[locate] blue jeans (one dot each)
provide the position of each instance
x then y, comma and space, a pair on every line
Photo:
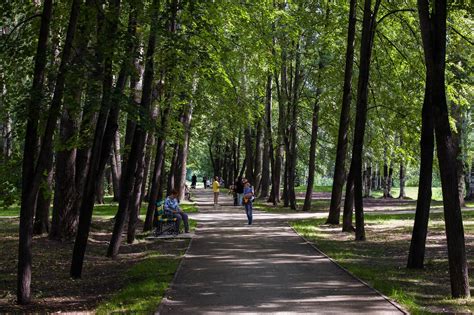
248, 211
239, 198
181, 216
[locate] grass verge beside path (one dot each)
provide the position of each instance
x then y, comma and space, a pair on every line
147, 282
381, 260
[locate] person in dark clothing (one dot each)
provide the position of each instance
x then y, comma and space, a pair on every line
204, 181
239, 190
193, 181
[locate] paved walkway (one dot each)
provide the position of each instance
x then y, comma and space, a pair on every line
231, 267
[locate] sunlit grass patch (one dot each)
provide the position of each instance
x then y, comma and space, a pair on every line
146, 284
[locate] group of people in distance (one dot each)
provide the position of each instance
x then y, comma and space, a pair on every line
242, 191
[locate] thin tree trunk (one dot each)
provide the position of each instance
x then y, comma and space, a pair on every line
268, 157
157, 179
348, 204
312, 155
342, 138
368, 29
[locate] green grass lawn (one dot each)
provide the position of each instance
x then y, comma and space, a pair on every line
147, 282
381, 260
108, 209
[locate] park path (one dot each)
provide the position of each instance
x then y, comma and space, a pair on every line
231, 267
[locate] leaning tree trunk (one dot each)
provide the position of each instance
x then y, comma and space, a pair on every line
106, 127
342, 138
139, 137
433, 33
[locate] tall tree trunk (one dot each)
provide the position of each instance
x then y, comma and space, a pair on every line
416, 254
135, 198
138, 144
433, 33
106, 128
368, 29
31, 173
186, 121
157, 178
312, 155
249, 155
172, 170
259, 145
342, 138
268, 157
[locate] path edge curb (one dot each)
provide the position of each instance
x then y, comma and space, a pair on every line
398, 306
167, 291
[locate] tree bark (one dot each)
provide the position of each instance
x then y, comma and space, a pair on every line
344, 122
139, 138
157, 178
348, 204
43, 202
416, 254
268, 157
106, 127
312, 155
368, 29
433, 31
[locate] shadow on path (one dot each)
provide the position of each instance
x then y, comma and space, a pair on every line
232, 267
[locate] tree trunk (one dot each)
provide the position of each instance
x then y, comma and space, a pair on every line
249, 155
259, 145
312, 155
416, 254
135, 198
186, 121
105, 130
43, 202
116, 166
157, 178
138, 144
348, 204
64, 222
368, 29
402, 180
433, 31
268, 157
342, 138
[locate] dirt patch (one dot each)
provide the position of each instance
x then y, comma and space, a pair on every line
52, 288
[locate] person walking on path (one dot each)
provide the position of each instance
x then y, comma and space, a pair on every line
239, 190
171, 207
248, 200
193, 181
204, 181
215, 189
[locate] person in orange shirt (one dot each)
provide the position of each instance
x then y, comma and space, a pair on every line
215, 189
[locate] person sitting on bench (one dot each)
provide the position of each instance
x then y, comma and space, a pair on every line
171, 207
